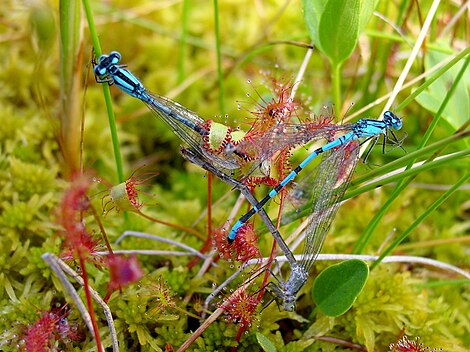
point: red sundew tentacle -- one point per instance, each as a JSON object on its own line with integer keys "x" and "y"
{"x": 125, "y": 196}
{"x": 89, "y": 248}
{"x": 52, "y": 325}
{"x": 256, "y": 181}
{"x": 287, "y": 166}
{"x": 206, "y": 126}
{"x": 38, "y": 337}
{"x": 132, "y": 193}
{"x": 240, "y": 308}
{"x": 246, "y": 243}
{"x": 163, "y": 299}
{"x": 213, "y": 141}
{"x": 278, "y": 109}
{"x": 407, "y": 345}
{"x": 219, "y": 242}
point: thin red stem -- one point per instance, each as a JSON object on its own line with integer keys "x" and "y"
{"x": 89, "y": 302}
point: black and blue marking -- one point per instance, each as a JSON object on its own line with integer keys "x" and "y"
{"x": 364, "y": 128}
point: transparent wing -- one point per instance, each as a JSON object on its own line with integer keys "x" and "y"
{"x": 286, "y": 135}
{"x": 189, "y": 127}
{"x": 325, "y": 190}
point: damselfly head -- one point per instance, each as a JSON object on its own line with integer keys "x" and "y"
{"x": 392, "y": 120}
{"x": 289, "y": 304}
{"x": 105, "y": 62}
{"x": 283, "y": 300}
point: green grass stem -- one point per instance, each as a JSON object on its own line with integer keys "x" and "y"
{"x": 444, "y": 283}
{"x": 433, "y": 207}
{"x": 106, "y": 93}
{"x": 366, "y": 235}
{"x": 408, "y": 172}
{"x": 393, "y": 165}
{"x": 434, "y": 77}
{"x": 336, "y": 77}
{"x": 399, "y": 39}
{"x": 219, "y": 58}
{"x": 183, "y": 41}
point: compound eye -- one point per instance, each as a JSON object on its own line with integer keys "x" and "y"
{"x": 390, "y": 116}
{"x": 99, "y": 71}
{"x": 115, "y": 57}
{"x": 397, "y": 124}
{"x": 102, "y": 58}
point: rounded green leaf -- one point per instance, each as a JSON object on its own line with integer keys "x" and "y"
{"x": 336, "y": 288}
{"x": 335, "y": 25}
{"x": 312, "y": 14}
{"x": 265, "y": 343}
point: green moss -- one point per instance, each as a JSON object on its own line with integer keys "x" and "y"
{"x": 23, "y": 219}
{"x": 31, "y": 179}
{"x": 172, "y": 334}
{"x": 219, "y": 337}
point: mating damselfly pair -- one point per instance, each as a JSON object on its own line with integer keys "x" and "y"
{"x": 326, "y": 187}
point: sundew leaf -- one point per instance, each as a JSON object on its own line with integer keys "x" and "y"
{"x": 265, "y": 343}
{"x": 335, "y": 25}
{"x": 458, "y": 109}
{"x": 336, "y": 288}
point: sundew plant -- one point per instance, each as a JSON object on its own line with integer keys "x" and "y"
{"x": 134, "y": 135}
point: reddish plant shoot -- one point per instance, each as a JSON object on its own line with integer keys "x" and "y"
{"x": 220, "y": 244}
{"x": 243, "y": 249}
{"x": 163, "y": 299}
{"x": 123, "y": 271}
{"x": 407, "y": 345}
{"x": 48, "y": 331}
{"x": 271, "y": 135}
{"x": 78, "y": 242}
{"x": 246, "y": 243}
{"x": 240, "y": 308}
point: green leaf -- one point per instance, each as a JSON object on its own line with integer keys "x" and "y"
{"x": 265, "y": 343}
{"x": 366, "y": 11}
{"x": 339, "y": 29}
{"x": 458, "y": 109}
{"x": 336, "y": 288}
{"x": 335, "y": 25}
{"x": 312, "y": 14}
